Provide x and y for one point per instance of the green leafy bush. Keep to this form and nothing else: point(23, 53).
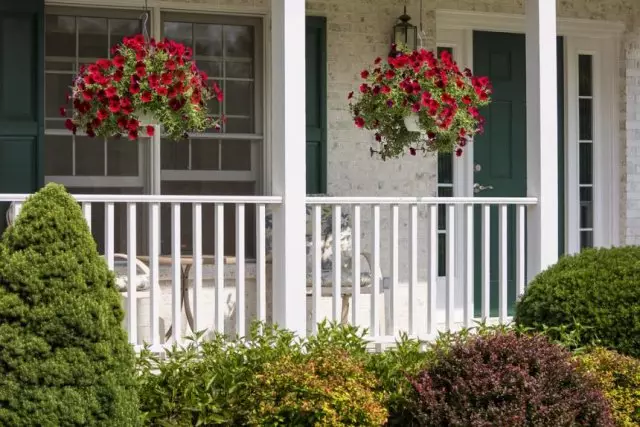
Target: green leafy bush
point(597, 290)
point(215, 381)
point(505, 379)
point(619, 378)
point(324, 388)
point(393, 368)
point(64, 358)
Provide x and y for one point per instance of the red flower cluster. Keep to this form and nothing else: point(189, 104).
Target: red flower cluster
point(156, 78)
point(444, 99)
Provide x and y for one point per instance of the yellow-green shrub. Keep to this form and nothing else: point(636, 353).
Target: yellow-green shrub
point(329, 387)
point(619, 378)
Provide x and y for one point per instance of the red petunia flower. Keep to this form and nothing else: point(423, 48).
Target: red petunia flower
point(69, 124)
point(87, 94)
point(141, 69)
point(170, 65)
point(122, 122)
point(364, 74)
point(459, 152)
point(114, 106)
point(412, 151)
point(103, 63)
point(150, 131)
point(118, 61)
point(134, 88)
point(102, 114)
point(146, 96)
point(378, 60)
point(154, 81)
point(196, 98)
point(133, 125)
point(359, 121)
point(117, 76)
point(111, 91)
point(350, 95)
point(133, 135)
point(162, 91)
point(167, 78)
point(63, 111)
point(172, 92)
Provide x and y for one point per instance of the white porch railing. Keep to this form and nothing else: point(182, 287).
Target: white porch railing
point(399, 264)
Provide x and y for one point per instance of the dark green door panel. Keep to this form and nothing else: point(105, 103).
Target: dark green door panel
point(316, 104)
point(21, 96)
point(500, 157)
point(16, 174)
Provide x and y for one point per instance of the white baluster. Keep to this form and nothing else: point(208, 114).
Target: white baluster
point(154, 274)
point(450, 267)
point(469, 267)
point(432, 238)
point(520, 250)
point(176, 274)
point(504, 263)
point(109, 244)
point(486, 261)
point(197, 265)
point(132, 274)
point(219, 264)
point(86, 213)
point(355, 256)
point(261, 273)
point(375, 286)
point(394, 270)
point(316, 268)
point(413, 266)
point(240, 271)
point(337, 264)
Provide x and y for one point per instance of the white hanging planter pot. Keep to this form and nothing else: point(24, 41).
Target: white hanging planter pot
point(146, 119)
point(412, 123)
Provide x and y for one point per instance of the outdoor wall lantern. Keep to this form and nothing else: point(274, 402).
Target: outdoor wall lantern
point(405, 33)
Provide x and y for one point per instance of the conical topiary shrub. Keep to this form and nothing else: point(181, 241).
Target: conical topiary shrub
point(64, 358)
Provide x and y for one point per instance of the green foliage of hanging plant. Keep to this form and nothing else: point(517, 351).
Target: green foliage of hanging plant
point(157, 79)
point(64, 358)
point(441, 101)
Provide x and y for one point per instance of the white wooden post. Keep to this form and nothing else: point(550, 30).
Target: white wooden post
point(542, 135)
point(288, 162)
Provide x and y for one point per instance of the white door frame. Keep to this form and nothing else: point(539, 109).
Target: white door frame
point(600, 38)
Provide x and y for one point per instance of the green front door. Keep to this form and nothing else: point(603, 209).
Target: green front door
point(500, 155)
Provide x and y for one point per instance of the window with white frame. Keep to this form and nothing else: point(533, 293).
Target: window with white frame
point(227, 162)
point(213, 163)
point(585, 148)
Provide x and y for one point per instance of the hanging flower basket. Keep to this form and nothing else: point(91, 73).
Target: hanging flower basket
point(143, 84)
point(417, 102)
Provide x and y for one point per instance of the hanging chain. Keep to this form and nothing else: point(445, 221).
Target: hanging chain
point(144, 17)
point(421, 35)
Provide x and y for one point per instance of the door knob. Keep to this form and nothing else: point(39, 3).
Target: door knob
point(477, 188)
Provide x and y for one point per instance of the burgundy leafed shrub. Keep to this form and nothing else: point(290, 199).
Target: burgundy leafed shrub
point(505, 379)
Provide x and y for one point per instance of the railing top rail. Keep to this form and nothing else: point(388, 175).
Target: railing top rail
point(129, 198)
point(422, 200)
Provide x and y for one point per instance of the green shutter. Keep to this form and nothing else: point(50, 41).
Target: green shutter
point(21, 96)
point(316, 94)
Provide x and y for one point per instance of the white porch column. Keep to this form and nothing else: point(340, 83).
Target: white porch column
point(288, 162)
point(542, 135)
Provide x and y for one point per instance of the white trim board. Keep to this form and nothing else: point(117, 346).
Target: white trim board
point(516, 23)
point(165, 5)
